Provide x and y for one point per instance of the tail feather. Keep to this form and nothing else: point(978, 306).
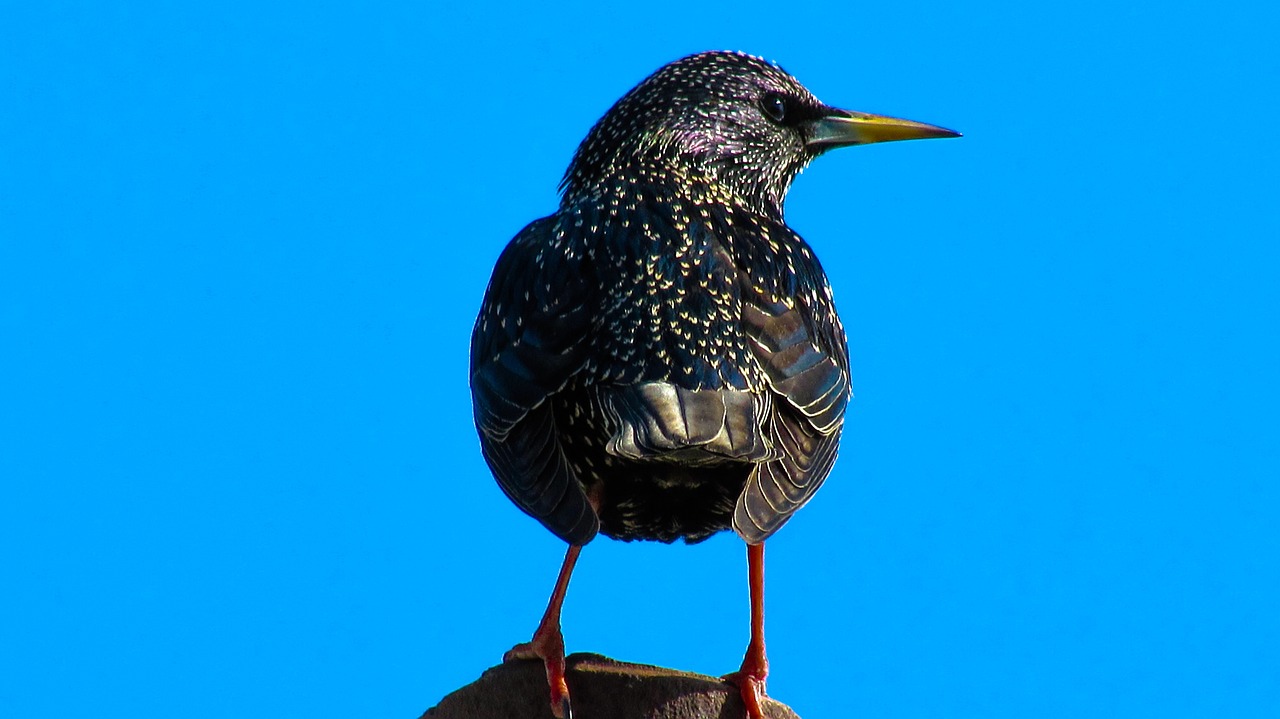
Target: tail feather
point(661, 422)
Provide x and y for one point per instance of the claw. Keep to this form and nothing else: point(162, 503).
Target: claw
point(518, 652)
point(547, 648)
point(560, 705)
point(751, 689)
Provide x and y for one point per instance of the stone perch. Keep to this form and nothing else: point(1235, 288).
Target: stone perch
point(602, 689)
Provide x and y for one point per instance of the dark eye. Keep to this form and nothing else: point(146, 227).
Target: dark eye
point(774, 106)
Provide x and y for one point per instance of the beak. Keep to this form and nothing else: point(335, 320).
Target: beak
point(841, 128)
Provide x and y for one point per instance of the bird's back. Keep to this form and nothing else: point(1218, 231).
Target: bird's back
point(669, 353)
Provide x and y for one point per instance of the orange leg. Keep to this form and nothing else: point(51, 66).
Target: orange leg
point(548, 642)
point(755, 665)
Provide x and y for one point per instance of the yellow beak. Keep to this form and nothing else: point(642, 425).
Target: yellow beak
point(844, 127)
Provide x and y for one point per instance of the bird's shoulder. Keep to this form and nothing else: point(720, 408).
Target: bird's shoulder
point(529, 336)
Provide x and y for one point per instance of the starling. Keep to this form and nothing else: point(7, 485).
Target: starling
point(661, 358)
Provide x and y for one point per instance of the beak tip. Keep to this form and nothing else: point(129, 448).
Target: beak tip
point(937, 131)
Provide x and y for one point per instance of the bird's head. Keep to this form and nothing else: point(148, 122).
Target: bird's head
point(734, 121)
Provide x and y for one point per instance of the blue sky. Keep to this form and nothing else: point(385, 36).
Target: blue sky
point(241, 249)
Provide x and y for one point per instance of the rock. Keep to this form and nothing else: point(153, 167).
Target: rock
point(601, 689)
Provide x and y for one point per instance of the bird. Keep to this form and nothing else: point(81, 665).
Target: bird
point(660, 359)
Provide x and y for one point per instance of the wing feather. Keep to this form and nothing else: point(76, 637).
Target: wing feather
point(798, 341)
point(529, 341)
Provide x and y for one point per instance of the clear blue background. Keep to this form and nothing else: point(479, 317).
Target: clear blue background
point(241, 249)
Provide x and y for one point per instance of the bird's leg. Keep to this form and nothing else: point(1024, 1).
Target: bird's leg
point(755, 665)
point(548, 643)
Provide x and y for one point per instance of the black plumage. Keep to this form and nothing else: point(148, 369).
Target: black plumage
point(664, 339)
point(661, 358)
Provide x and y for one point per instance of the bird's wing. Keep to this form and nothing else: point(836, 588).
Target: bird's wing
point(801, 346)
point(529, 341)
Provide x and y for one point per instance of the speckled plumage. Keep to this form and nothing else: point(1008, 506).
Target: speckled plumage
point(664, 346)
point(661, 358)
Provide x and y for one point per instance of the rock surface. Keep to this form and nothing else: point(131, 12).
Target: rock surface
point(601, 689)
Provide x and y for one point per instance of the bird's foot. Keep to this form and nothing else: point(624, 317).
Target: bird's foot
point(547, 646)
point(752, 691)
point(750, 682)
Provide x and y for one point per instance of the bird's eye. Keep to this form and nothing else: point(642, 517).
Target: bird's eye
point(774, 106)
